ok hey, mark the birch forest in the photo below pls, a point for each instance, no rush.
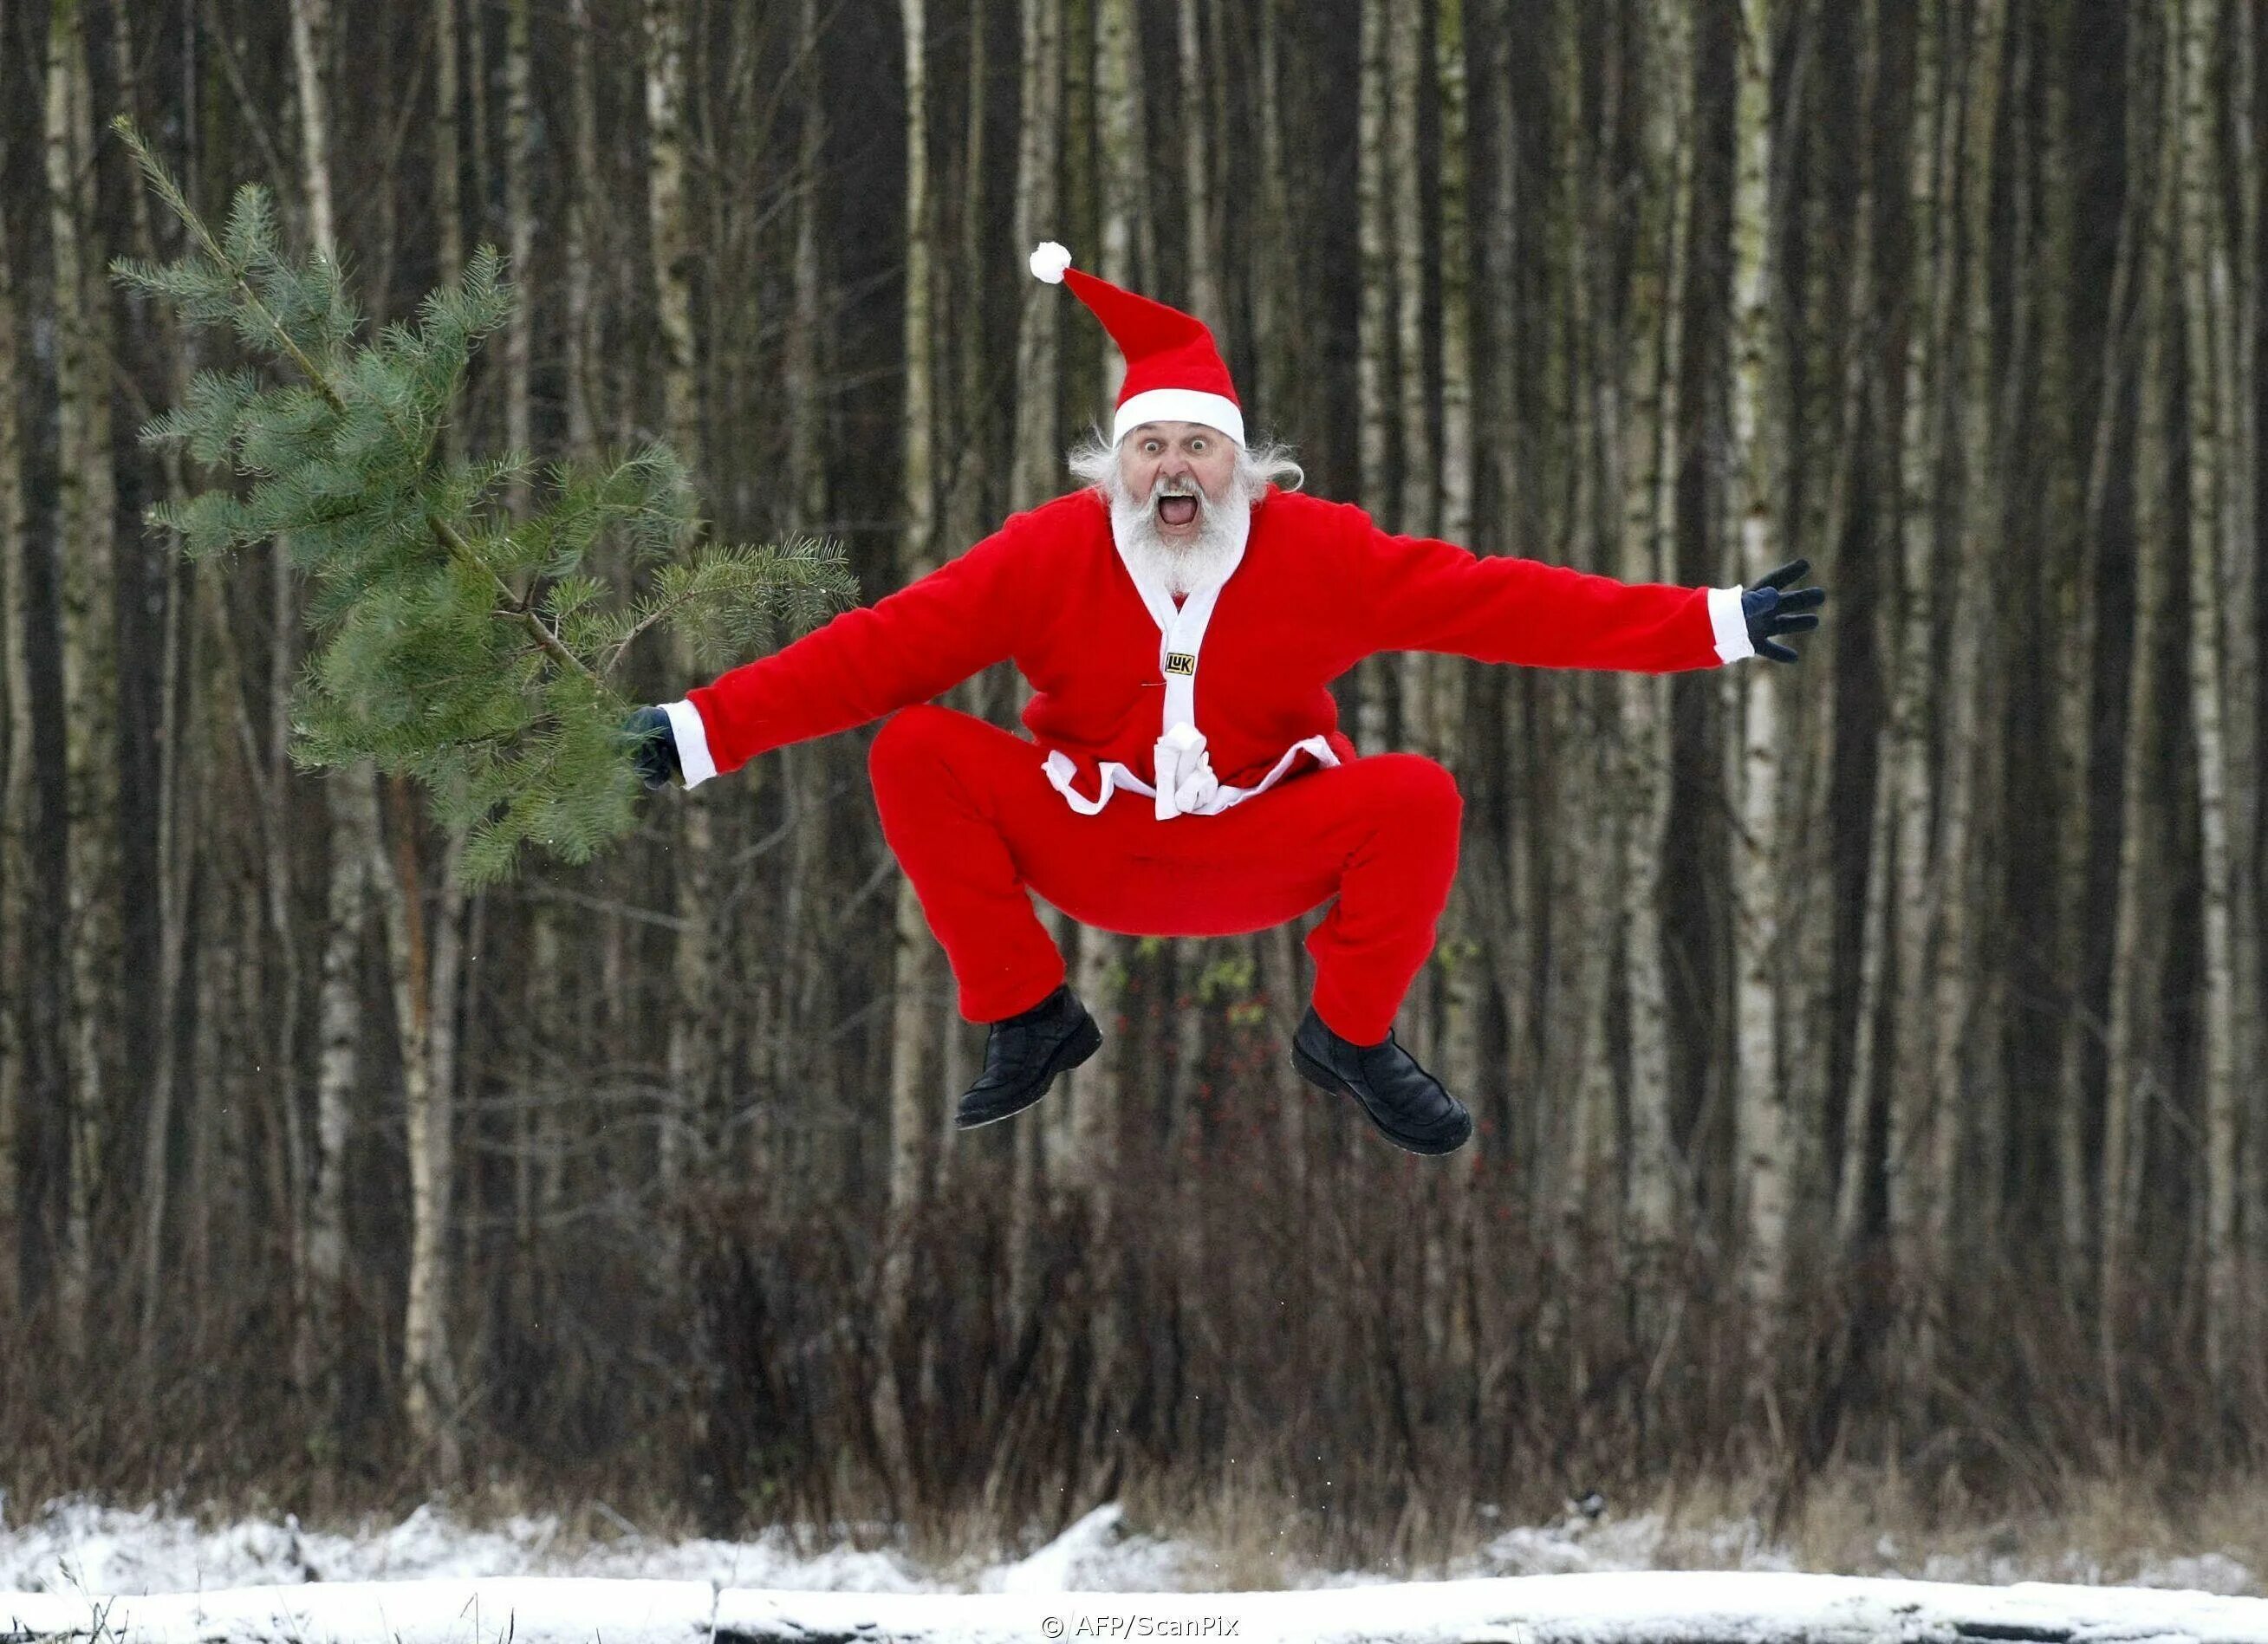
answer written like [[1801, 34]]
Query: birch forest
[[1868, 1056]]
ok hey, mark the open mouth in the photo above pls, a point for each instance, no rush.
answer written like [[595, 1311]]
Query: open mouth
[[1177, 511]]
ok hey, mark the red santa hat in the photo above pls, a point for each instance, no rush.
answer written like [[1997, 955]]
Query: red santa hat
[[1174, 372]]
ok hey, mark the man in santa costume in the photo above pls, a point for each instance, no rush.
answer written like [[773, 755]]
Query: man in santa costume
[[1181, 619]]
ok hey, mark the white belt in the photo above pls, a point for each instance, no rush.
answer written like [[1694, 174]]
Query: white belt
[[1185, 784]]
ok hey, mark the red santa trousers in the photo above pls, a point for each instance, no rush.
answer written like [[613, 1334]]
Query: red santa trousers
[[977, 827]]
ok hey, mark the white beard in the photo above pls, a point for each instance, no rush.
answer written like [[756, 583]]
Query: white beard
[[1203, 562]]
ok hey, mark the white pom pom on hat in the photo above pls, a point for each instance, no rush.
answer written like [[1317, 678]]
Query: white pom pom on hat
[[1174, 371]]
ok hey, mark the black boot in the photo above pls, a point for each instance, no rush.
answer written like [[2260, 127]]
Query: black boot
[[1402, 1098], [1023, 1053]]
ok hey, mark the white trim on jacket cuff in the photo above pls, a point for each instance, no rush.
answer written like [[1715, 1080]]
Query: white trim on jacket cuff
[[1729, 626], [692, 739]]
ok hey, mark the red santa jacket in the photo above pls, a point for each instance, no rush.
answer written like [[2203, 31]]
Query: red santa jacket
[[1115, 667]]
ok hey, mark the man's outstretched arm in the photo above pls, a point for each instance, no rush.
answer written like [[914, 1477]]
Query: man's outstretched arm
[[1425, 594], [908, 647]]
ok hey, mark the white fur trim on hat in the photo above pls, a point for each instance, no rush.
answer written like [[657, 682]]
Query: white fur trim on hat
[[1048, 261], [1178, 405]]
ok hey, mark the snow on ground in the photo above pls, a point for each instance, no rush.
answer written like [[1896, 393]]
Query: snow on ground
[[76, 1545], [75, 1569], [1638, 1607]]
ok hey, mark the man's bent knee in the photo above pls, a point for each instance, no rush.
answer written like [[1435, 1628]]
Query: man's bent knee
[[907, 732], [1418, 788]]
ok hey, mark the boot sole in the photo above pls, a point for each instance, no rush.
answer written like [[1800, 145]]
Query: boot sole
[[1315, 1073], [1070, 1054]]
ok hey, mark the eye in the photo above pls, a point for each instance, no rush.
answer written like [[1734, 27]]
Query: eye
[[1199, 446], [1150, 448]]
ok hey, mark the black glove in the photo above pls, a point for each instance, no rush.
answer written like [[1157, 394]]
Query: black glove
[[1770, 611], [653, 748]]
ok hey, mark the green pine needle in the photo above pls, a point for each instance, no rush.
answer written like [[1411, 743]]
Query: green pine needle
[[449, 641]]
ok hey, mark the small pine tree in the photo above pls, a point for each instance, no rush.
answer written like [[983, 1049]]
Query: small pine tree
[[450, 641]]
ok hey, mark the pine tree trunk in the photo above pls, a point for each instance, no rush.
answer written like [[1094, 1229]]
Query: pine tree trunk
[[2082, 699], [1195, 179], [807, 985], [1038, 453], [1374, 357], [1916, 1110], [179, 787], [803, 366], [1958, 987], [1034, 474], [2246, 345], [1410, 78], [519, 161], [84, 521], [448, 204], [1866, 421], [2218, 568], [2138, 916], [583, 189], [18, 801], [1275, 302]]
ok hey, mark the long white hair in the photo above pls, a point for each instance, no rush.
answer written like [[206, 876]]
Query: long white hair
[[1093, 461]]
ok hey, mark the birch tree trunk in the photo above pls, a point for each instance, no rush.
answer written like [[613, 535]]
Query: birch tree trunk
[[967, 499], [428, 1372], [85, 510], [422, 950], [1097, 1093], [350, 801], [1464, 971], [912, 1016], [692, 1027], [1642, 354], [1758, 866]]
